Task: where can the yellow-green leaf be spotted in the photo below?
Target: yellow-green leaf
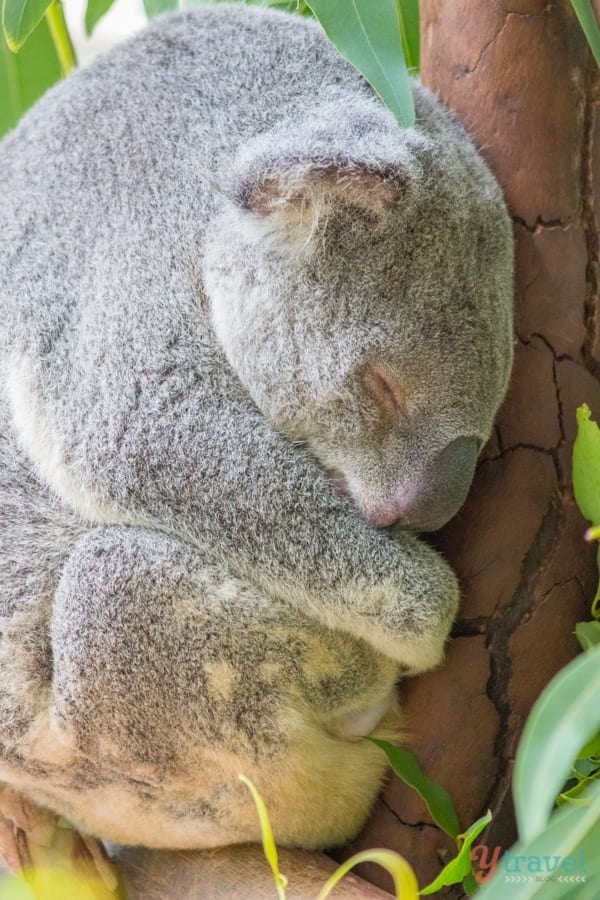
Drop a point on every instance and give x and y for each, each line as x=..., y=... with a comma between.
x=459, y=867
x=26, y=75
x=586, y=466
x=94, y=11
x=268, y=842
x=408, y=17
x=405, y=882
x=19, y=18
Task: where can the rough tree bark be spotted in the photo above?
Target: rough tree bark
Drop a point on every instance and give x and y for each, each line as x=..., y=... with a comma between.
x=519, y=75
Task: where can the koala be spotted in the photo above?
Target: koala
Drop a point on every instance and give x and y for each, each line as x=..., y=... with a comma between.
x=254, y=335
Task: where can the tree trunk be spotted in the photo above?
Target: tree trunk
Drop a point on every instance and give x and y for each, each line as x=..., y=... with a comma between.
x=520, y=77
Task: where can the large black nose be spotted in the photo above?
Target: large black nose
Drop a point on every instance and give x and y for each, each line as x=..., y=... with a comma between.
x=435, y=493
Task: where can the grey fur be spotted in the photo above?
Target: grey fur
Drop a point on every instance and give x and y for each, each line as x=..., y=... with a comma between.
x=209, y=236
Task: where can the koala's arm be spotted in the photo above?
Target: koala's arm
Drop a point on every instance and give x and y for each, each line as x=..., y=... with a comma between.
x=183, y=450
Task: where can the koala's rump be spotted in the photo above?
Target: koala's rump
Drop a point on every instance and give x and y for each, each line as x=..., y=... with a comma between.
x=157, y=678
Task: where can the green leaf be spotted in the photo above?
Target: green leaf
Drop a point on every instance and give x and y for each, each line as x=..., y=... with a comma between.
x=54, y=883
x=408, y=17
x=13, y=887
x=19, y=18
x=573, y=795
x=95, y=10
x=589, y=23
x=438, y=800
x=584, y=766
x=368, y=35
x=156, y=7
x=573, y=831
x=459, y=868
x=26, y=75
x=405, y=882
x=586, y=466
x=566, y=715
x=588, y=891
x=588, y=634
x=268, y=842
x=591, y=749
x=470, y=885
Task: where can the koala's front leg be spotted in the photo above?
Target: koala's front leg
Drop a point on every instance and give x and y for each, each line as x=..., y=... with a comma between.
x=274, y=515
x=406, y=613
x=271, y=514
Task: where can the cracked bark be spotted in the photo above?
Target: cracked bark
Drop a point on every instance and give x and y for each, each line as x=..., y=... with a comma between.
x=523, y=82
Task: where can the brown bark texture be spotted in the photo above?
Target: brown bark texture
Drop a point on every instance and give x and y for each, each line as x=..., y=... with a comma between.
x=232, y=873
x=520, y=77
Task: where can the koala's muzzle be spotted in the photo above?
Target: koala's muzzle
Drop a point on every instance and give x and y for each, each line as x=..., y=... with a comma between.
x=435, y=494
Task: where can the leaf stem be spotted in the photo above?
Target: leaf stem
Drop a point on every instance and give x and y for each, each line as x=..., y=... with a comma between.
x=61, y=38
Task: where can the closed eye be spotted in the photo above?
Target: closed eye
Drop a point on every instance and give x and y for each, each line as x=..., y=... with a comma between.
x=386, y=391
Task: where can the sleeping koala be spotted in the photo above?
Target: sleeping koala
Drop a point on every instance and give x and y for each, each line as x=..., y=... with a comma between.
x=249, y=323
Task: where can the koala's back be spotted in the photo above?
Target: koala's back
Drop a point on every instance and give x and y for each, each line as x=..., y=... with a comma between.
x=136, y=134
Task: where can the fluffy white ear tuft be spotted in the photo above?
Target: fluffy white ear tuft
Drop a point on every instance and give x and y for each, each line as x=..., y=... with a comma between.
x=319, y=189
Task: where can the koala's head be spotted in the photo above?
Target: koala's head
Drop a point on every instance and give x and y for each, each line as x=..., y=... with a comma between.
x=360, y=284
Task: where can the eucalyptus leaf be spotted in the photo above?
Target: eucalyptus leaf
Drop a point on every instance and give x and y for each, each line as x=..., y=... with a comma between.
x=368, y=35
x=20, y=17
x=95, y=11
x=574, y=794
x=574, y=831
x=268, y=842
x=405, y=882
x=588, y=634
x=588, y=21
x=586, y=466
x=583, y=767
x=156, y=7
x=408, y=17
x=459, y=868
x=566, y=715
x=26, y=75
x=437, y=799
x=590, y=890
x=470, y=885
x=591, y=749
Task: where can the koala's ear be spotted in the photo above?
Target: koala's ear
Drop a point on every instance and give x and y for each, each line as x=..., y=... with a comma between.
x=290, y=177
x=292, y=193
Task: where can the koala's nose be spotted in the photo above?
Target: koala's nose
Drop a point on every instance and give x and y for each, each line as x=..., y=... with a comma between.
x=436, y=493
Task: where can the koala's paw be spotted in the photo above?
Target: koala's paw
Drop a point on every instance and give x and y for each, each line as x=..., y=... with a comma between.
x=409, y=620
x=414, y=653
